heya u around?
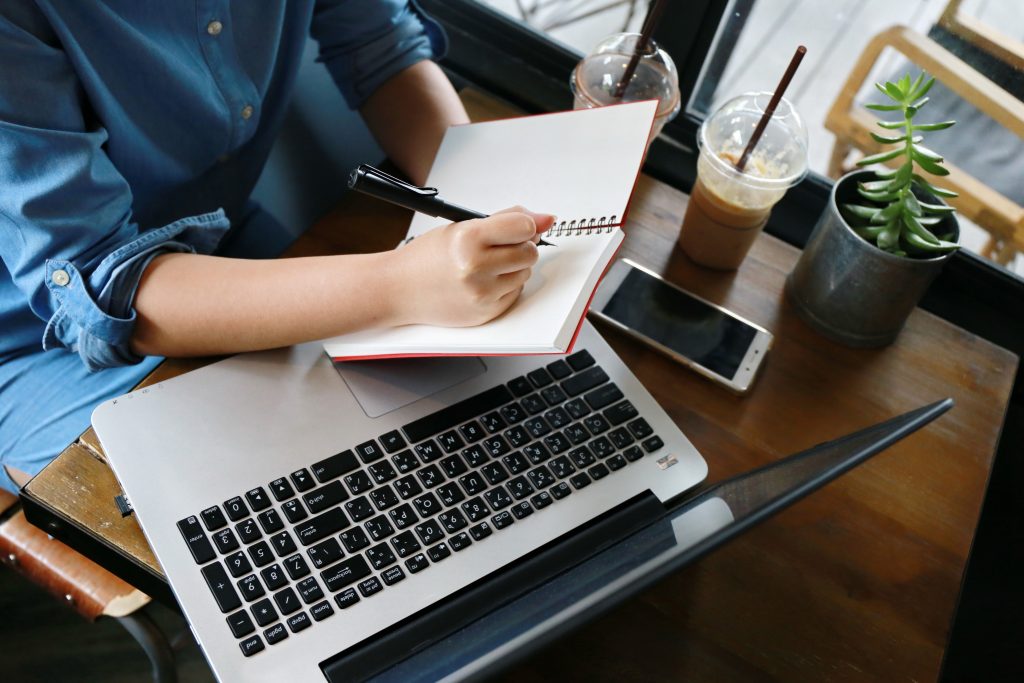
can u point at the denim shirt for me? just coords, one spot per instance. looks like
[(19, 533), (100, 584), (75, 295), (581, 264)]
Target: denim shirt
[(132, 128)]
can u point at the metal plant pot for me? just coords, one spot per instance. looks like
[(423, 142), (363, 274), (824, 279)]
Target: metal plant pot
[(850, 290)]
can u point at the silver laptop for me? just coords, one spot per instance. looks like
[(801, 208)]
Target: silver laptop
[(299, 508)]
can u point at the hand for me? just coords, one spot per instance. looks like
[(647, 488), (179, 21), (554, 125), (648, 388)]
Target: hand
[(467, 273)]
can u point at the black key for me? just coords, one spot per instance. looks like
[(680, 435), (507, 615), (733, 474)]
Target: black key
[(460, 541), (450, 441), (498, 498), (383, 498), (251, 588), (261, 554), (240, 624), (348, 572), (534, 404), (596, 424), (640, 428), (580, 480), (557, 417), (517, 436), (561, 490), (270, 521), (321, 526), (302, 480), (296, 566), (324, 553), (598, 471), (633, 453), (438, 552), (332, 467), (616, 462), (355, 539), (251, 646), (541, 500), (405, 544), (496, 445), (346, 598), (220, 585), (576, 433), (238, 564), (275, 634), (248, 531), (577, 408), (453, 466), (457, 413), (359, 508), (450, 494), (324, 497), (213, 518), (473, 483), (653, 443), (264, 612), (283, 543), (452, 520), (553, 395), (281, 489), (537, 426), (430, 476), (427, 504), (236, 508), (416, 563), (198, 543), (430, 532), (358, 482), (294, 511), (582, 457), (472, 431), (513, 413), (601, 447), (379, 528), (620, 412), (225, 541), (584, 381), (369, 451), (537, 453), (559, 369), (405, 462), (541, 477), (480, 531), (562, 467), (392, 442), (539, 377), (258, 499), (475, 455), (287, 601), (580, 359), (382, 472), (603, 396), (274, 576), (519, 487), (502, 519), (392, 575), (520, 386), (493, 422), (521, 510), (300, 621), (557, 442), (321, 611), (370, 586), (620, 437), (403, 516), (494, 473), (475, 509), (407, 486)]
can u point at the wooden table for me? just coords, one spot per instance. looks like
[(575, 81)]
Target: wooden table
[(858, 582)]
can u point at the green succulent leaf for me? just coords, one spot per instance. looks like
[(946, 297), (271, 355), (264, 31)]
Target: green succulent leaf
[(884, 107), (860, 211), (892, 125), (915, 228), (929, 220), (937, 191), (941, 125), (875, 185), (889, 236), (888, 139), (882, 89), (923, 90), (904, 85), (939, 209), (913, 206), (917, 83), (878, 196), (893, 91), (920, 103), (941, 247), (880, 157), (928, 164), (889, 213), (904, 173), (886, 173), (924, 151)]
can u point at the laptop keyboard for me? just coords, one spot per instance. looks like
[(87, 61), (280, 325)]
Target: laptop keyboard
[(344, 529)]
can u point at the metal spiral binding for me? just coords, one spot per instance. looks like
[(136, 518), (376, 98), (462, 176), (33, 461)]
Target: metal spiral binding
[(583, 226)]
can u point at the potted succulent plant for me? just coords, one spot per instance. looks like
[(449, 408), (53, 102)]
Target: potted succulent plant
[(884, 236)]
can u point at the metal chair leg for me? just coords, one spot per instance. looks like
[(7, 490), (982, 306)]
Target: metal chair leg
[(154, 643)]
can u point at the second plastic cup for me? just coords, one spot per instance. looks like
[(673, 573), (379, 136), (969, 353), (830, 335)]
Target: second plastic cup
[(728, 208)]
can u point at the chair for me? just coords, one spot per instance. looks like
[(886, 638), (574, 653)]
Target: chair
[(999, 215)]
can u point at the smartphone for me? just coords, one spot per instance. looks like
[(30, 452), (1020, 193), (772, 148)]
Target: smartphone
[(715, 342)]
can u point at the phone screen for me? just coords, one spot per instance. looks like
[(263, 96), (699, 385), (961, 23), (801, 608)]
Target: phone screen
[(680, 322)]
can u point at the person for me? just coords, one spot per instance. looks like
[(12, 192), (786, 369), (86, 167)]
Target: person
[(131, 135)]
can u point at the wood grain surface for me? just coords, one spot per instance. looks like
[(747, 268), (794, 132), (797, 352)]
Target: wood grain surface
[(857, 582)]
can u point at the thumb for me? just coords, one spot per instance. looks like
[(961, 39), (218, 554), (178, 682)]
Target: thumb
[(542, 221)]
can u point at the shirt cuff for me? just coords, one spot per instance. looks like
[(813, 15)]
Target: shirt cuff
[(99, 327)]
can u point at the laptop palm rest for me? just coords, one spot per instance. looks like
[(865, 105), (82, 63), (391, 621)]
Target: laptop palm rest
[(381, 386)]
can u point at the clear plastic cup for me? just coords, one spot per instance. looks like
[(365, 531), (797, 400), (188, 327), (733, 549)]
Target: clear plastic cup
[(595, 78), (728, 208)]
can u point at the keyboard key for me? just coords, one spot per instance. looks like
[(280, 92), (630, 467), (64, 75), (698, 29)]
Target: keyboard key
[(598, 471), (240, 624), (250, 588), (274, 576), (537, 427), (427, 504), (238, 564), (534, 404), (494, 473), (539, 377), (370, 586), (559, 369), (603, 396), (321, 526), (560, 490), (281, 489), (258, 499), (521, 510), (581, 480), (358, 482), (475, 455), (616, 462), (248, 531), (513, 413), (541, 477), (620, 437), (633, 453), (379, 528), (355, 539), (392, 442), (640, 428), (460, 541), (520, 386), (382, 472), (287, 601), (324, 553), (516, 462), (553, 395), (324, 497), (296, 566), (300, 621), (472, 431), (537, 453), (283, 543), (384, 498), (557, 442), (359, 508), (263, 612), (251, 646), (321, 611), (392, 575), (457, 413), (541, 500), (198, 543), (517, 436), (557, 418), (480, 531), (496, 445), (561, 467), (220, 585), (498, 498), (346, 598), (261, 554), (407, 486), (331, 468), (576, 433), (584, 381), (302, 479), (403, 516), (580, 359), (405, 462), (577, 408), (502, 519), (236, 508), (369, 451), (475, 509), (582, 457), (438, 552), (519, 487), (493, 422), (450, 441), (473, 483), (405, 544), (596, 424), (653, 443), (270, 521), (213, 518), (346, 573), (452, 521), (429, 451), (430, 476), (453, 466), (294, 511), (430, 532), (225, 541), (601, 447), (416, 563), (275, 634), (450, 494), (620, 412)]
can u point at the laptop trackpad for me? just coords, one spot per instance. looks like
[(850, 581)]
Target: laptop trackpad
[(381, 386)]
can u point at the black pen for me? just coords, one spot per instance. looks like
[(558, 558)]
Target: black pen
[(377, 183)]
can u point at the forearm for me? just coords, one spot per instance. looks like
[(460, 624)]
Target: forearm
[(190, 305), (409, 114)]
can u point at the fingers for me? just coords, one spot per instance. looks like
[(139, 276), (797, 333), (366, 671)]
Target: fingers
[(509, 282), (505, 301), (510, 226), (508, 259)]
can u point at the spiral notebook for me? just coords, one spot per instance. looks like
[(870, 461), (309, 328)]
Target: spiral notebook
[(580, 166)]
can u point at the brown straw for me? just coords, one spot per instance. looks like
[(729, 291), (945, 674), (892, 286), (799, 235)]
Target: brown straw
[(780, 89), (650, 23)]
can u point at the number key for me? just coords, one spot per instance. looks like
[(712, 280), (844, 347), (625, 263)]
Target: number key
[(238, 564), (236, 508)]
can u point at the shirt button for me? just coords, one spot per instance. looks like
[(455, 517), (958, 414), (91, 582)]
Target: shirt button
[(60, 278), (247, 111), (214, 28)]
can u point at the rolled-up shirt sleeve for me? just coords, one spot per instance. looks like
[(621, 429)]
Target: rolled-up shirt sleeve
[(363, 43), (67, 236)]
